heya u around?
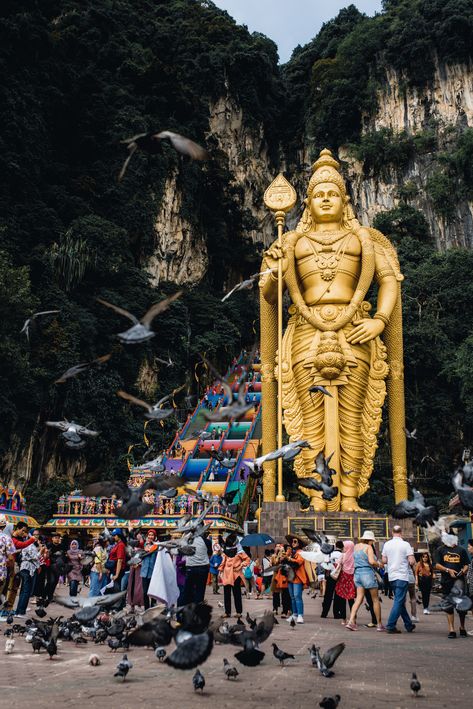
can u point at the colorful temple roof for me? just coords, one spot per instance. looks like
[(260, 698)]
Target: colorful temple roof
[(13, 506)]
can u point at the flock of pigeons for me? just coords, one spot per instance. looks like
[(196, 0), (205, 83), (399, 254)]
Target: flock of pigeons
[(182, 637)]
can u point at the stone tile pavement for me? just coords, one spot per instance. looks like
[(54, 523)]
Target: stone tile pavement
[(373, 672)]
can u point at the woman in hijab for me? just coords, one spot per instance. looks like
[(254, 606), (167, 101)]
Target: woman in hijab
[(74, 576), (345, 586)]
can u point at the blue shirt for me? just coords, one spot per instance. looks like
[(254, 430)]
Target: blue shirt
[(147, 565), (215, 561)]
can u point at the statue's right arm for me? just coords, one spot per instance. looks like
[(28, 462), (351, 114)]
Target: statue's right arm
[(269, 282)]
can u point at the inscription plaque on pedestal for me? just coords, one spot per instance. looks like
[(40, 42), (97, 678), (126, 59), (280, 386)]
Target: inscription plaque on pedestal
[(295, 524), (340, 527), (377, 525)]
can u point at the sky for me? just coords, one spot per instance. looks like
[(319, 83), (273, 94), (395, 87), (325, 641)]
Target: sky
[(290, 22)]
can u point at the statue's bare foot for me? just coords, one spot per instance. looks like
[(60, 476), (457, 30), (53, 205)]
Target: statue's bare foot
[(350, 504), (318, 504)]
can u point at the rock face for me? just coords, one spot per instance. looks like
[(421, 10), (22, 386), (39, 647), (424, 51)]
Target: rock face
[(247, 160), (446, 107), (180, 252)]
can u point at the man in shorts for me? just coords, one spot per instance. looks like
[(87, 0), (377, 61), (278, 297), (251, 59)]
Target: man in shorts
[(452, 562)]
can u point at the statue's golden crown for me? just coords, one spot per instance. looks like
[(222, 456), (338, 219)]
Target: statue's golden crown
[(325, 169)]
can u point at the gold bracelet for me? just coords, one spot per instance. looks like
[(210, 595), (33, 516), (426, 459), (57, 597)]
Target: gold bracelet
[(381, 316)]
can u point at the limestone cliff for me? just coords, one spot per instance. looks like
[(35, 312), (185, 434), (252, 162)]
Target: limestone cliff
[(180, 253), (445, 108)]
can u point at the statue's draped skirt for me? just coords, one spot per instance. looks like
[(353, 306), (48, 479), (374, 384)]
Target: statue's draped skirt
[(361, 391)]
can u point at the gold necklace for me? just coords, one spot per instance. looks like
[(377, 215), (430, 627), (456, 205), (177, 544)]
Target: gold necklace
[(329, 237), (328, 259)]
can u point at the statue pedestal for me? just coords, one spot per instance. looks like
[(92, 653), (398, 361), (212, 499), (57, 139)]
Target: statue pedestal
[(281, 518)]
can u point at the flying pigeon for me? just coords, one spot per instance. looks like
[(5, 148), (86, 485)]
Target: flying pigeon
[(151, 143), (141, 329)]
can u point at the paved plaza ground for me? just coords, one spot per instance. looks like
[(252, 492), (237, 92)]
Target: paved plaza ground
[(374, 671)]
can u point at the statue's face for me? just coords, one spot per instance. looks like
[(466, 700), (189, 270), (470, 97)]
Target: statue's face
[(327, 203)]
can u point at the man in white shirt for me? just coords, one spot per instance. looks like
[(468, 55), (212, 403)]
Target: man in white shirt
[(397, 556)]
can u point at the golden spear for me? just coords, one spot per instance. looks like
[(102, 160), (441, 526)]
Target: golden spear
[(280, 197)]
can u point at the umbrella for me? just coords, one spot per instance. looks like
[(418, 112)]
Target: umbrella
[(257, 540)]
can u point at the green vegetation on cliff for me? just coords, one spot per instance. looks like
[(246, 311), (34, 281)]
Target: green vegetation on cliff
[(78, 78)]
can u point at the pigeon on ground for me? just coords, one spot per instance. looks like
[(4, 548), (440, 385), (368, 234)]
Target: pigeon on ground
[(94, 660), (37, 644), (246, 284), (326, 662), (252, 622), (123, 667), (415, 685), (26, 327), (250, 639), (153, 410), (198, 680), (416, 509), (281, 655), (230, 672), (160, 653), (292, 623), (141, 329), (330, 702), (79, 368), (9, 645), (40, 612)]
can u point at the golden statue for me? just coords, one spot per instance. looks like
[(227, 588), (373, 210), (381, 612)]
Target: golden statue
[(328, 265)]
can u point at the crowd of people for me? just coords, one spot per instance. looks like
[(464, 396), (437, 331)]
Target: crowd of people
[(31, 567)]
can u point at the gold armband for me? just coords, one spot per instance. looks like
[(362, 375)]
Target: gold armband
[(381, 316)]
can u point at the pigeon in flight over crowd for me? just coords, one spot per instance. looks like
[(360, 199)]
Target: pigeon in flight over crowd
[(153, 410), (422, 514)]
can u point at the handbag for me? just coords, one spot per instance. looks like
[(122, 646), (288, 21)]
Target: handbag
[(336, 572), (247, 572)]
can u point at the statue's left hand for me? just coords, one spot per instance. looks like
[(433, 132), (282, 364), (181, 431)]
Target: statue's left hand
[(365, 331)]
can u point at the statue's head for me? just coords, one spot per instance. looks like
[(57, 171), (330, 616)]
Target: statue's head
[(327, 199)]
